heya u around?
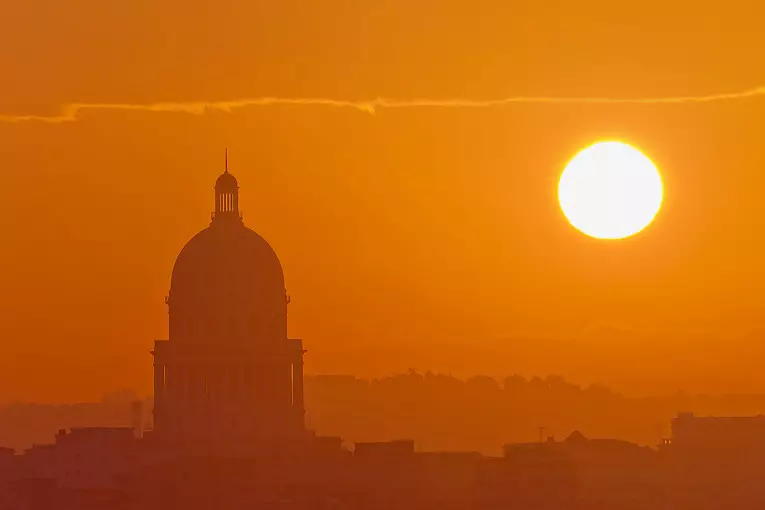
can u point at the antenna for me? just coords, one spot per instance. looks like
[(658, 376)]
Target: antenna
[(226, 160)]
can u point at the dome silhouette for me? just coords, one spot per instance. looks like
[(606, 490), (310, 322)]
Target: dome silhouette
[(226, 180), (227, 284), (228, 381)]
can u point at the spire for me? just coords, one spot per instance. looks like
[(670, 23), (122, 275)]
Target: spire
[(226, 169)]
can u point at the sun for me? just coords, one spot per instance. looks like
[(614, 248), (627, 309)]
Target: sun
[(610, 190)]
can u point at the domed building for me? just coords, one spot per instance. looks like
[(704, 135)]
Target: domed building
[(228, 381)]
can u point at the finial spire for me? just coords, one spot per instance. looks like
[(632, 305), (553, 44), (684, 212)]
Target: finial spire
[(226, 171)]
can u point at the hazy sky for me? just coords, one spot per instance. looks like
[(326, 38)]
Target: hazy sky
[(414, 238)]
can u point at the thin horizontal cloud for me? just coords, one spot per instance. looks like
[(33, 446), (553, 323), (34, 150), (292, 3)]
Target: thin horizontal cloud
[(71, 112)]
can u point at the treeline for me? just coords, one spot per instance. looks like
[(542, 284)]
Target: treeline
[(439, 412), (481, 414)]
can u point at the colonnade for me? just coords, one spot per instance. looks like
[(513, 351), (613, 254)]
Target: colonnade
[(188, 386)]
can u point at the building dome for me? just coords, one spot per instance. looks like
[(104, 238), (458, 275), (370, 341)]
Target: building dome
[(227, 285), (227, 181), (228, 382)]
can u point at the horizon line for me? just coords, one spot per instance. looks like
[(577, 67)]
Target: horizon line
[(70, 112)]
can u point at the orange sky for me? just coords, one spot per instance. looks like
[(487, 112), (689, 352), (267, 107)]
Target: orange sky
[(415, 238)]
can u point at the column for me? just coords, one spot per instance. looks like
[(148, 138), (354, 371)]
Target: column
[(185, 370), (159, 389), (297, 386)]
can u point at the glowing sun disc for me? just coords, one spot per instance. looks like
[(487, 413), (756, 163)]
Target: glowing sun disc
[(610, 190)]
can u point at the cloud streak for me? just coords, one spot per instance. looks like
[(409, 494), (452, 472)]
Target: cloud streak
[(72, 112)]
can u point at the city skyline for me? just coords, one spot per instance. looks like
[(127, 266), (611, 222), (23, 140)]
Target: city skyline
[(382, 255)]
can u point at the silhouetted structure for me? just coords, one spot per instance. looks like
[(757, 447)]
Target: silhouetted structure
[(717, 462), (228, 381)]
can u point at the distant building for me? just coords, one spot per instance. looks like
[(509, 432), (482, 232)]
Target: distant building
[(594, 473), (85, 458), (386, 451), (228, 381), (716, 462), (724, 433)]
